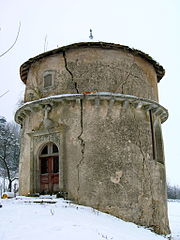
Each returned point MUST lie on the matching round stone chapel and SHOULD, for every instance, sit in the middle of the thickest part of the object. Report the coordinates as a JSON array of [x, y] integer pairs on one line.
[[91, 128]]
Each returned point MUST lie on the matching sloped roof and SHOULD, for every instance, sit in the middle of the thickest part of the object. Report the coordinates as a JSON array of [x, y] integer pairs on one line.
[[24, 69]]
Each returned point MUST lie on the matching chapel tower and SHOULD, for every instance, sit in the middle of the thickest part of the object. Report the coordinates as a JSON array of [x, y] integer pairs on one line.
[[91, 127]]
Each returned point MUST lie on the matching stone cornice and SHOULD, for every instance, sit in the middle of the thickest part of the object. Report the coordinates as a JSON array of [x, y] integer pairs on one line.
[[126, 101]]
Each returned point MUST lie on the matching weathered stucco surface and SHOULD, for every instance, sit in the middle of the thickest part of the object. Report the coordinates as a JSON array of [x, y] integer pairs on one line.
[[92, 70], [108, 156]]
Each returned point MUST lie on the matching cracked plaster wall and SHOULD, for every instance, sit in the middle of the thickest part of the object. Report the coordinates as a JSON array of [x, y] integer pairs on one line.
[[107, 149], [107, 160], [92, 70], [118, 146]]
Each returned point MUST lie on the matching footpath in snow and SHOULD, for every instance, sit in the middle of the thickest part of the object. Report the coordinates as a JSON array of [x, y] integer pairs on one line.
[[23, 219]]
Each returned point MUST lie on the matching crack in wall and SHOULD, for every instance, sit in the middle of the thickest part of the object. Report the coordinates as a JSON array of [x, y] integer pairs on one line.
[[72, 77], [82, 142], [125, 81]]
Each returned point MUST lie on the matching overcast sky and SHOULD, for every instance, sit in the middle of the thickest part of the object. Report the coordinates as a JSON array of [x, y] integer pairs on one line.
[[148, 25]]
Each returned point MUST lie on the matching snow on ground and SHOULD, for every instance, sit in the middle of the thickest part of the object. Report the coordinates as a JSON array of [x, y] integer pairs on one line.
[[23, 219], [174, 218]]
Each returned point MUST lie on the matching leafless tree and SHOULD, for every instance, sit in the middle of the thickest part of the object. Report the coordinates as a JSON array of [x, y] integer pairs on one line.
[[9, 150], [4, 93]]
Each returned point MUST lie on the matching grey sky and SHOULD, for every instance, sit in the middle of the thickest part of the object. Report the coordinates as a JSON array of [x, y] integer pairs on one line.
[[150, 26]]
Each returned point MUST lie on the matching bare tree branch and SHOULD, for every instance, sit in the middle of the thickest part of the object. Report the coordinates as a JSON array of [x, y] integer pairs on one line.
[[14, 41], [4, 93]]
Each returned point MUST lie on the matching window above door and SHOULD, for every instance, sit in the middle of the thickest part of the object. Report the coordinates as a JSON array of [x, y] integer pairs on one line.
[[49, 149]]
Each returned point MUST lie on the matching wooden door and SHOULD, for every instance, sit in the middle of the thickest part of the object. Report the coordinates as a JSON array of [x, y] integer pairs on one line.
[[49, 173]]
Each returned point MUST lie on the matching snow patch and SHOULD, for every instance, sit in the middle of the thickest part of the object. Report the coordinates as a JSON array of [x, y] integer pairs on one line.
[[21, 219]]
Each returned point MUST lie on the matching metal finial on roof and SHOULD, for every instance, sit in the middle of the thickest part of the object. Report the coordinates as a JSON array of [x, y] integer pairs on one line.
[[91, 36]]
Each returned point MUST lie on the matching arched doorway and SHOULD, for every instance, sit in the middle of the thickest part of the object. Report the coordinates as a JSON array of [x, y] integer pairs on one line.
[[49, 169]]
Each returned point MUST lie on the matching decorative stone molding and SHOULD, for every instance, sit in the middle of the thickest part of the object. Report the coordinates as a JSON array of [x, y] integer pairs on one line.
[[125, 100]]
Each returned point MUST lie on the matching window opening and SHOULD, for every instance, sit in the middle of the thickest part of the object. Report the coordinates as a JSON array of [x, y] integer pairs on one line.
[[49, 149], [47, 80], [55, 149], [45, 150], [159, 142], [152, 135]]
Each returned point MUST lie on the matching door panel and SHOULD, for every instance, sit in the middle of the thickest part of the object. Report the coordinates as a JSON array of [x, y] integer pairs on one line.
[[49, 176]]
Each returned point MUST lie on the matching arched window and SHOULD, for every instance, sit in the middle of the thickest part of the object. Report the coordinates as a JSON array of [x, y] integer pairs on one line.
[[49, 149]]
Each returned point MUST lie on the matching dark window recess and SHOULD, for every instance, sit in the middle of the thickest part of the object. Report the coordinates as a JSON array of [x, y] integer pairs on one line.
[[44, 165], [45, 150], [152, 135], [55, 149], [55, 164], [159, 143], [48, 80]]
